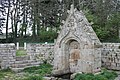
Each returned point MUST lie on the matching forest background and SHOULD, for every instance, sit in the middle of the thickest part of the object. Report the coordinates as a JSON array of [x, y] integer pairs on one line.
[[39, 21]]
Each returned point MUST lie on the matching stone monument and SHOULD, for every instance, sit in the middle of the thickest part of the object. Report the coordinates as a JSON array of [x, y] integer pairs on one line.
[[77, 48]]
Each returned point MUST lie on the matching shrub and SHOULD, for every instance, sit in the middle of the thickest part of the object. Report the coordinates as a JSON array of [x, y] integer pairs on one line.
[[84, 77], [48, 36], [100, 77], [4, 72], [105, 75], [110, 75]]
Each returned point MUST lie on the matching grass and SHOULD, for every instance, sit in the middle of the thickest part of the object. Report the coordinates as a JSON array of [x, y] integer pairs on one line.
[[31, 73], [32, 77], [21, 53], [41, 70], [37, 73], [5, 73], [105, 75]]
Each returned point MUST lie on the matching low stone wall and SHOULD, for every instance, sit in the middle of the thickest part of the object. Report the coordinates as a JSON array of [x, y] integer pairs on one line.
[[42, 52], [37, 53], [7, 55], [111, 56], [21, 58]]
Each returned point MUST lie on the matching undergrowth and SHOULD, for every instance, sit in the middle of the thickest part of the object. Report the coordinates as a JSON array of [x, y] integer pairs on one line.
[[5, 72], [37, 72], [31, 73], [104, 75]]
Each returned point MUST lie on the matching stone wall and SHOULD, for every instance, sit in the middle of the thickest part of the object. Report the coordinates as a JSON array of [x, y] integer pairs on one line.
[[43, 52], [111, 56], [7, 55], [38, 53]]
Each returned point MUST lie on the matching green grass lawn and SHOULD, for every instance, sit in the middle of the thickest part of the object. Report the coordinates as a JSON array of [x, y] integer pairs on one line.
[[21, 53]]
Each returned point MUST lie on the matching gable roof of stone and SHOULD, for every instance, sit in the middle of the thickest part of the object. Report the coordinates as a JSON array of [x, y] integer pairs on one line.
[[77, 22]]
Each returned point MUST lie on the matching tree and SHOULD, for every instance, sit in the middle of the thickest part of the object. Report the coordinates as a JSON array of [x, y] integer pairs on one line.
[[2, 17], [24, 15], [8, 13]]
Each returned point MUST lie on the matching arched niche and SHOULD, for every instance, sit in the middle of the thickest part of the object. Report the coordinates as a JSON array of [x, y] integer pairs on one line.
[[71, 54]]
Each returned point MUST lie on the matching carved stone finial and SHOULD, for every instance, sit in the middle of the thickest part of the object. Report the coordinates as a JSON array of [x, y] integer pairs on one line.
[[72, 8]]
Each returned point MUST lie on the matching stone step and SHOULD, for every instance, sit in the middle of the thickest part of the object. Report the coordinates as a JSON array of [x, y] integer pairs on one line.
[[23, 58], [17, 69], [21, 69], [26, 61], [22, 64]]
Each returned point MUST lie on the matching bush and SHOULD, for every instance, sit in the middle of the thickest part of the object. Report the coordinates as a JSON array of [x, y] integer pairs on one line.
[[84, 77], [4, 72], [47, 36], [105, 75], [110, 75], [100, 77], [102, 33]]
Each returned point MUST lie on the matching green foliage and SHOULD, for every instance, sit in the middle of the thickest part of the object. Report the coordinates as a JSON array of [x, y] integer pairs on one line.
[[92, 18], [36, 14], [34, 78], [109, 75], [84, 77], [100, 77], [105, 75], [113, 24], [41, 70], [47, 36], [102, 33], [108, 30], [31, 73], [20, 53], [44, 36], [5, 72]]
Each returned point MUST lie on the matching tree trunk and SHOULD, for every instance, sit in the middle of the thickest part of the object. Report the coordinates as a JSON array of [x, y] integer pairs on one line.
[[15, 22], [7, 21], [34, 30]]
